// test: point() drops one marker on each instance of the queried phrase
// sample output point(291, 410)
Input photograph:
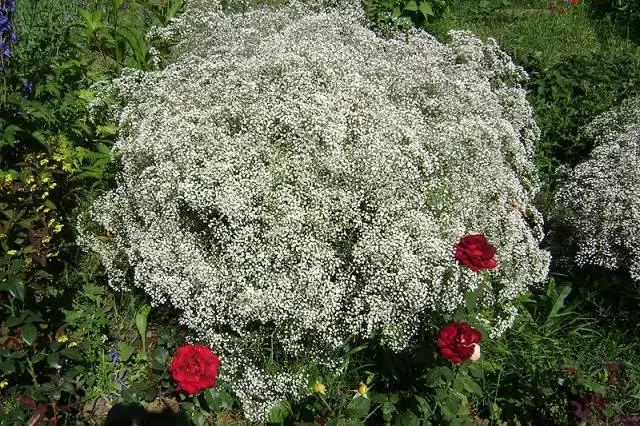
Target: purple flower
point(5, 50)
point(115, 357)
point(27, 87)
point(5, 24)
point(9, 6)
point(14, 37)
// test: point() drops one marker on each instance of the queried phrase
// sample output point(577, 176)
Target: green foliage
point(625, 15)
point(402, 13)
point(568, 95)
point(56, 323)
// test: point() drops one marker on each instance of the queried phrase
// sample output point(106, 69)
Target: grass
point(529, 29)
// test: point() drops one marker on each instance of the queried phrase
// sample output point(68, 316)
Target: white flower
point(292, 180)
point(601, 198)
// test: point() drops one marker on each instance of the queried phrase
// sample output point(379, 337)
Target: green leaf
point(407, 419)
point(198, 418)
point(160, 358)
point(212, 398)
point(470, 299)
point(16, 288)
point(8, 366)
point(387, 409)
point(451, 406)
point(279, 412)
point(358, 408)
point(10, 135)
point(470, 385)
point(125, 351)
point(93, 21)
point(559, 302)
point(107, 130)
point(380, 398)
point(411, 6)
point(173, 8)
point(426, 9)
point(226, 401)
point(28, 334)
point(13, 321)
point(137, 44)
point(53, 359)
point(437, 376)
point(71, 353)
point(38, 357)
point(141, 324)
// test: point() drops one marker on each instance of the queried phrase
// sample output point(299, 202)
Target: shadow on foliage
point(133, 414)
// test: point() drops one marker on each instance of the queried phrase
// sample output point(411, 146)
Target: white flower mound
point(603, 193)
point(293, 180)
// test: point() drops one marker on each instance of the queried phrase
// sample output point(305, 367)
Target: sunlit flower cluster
point(292, 180)
point(602, 195)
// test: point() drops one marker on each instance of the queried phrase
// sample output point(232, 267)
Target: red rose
point(194, 368)
point(574, 2)
point(458, 341)
point(475, 252)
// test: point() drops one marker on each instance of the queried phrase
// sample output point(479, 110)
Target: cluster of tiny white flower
point(292, 180)
point(602, 195)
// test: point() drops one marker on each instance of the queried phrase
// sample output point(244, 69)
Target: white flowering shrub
point(602, 195)
point(292, 180)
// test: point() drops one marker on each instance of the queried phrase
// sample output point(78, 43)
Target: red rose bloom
point(457, 341)
point(475, 252)
point(194, 368)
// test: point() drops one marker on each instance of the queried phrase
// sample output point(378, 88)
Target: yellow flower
point(4, 384)
point(57, 228)
point(63, 338)
point(320, 388)
point(363, 389)
point(12, 252)
point(72, 344)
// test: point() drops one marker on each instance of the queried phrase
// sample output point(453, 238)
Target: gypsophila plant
point(602, 195)
point(292, 180)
